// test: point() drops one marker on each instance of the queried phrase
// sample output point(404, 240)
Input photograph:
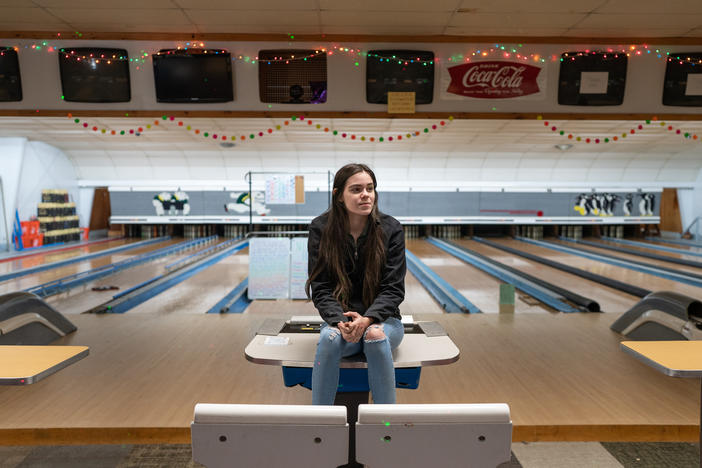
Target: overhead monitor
point(592, 78)
point(292, 76)
point(193, 75)
point(10, 83)
point(94, 74)
point(399, 71)
point(683, 79)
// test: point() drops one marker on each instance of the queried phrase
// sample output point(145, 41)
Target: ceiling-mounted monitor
point(10, 84)
point(399, 71)
point(590, 78)
point(193, 75)
point(683, 79)
point(94, 74)
point(292, 76)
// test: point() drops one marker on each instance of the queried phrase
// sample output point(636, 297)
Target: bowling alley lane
point(610, 300)
point(53, 274)
point(642, 280)
point(37, 257)
point(199, 293)
point(651, 250)
point(478, 287)
point(82, 298)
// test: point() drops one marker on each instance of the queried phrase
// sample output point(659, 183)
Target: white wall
point(84, 205)
point(11, 153)
point(26, 168)
point(43, 167)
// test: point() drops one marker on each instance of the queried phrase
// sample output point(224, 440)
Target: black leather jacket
point(392, 282)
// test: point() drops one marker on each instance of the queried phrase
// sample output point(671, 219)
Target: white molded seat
point(248, 436)
point(446, 435)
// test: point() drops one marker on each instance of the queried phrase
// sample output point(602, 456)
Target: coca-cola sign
point(493, 80)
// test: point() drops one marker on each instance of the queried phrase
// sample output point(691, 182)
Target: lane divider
point(235, 302)
point(530, 289)
point(446, 295)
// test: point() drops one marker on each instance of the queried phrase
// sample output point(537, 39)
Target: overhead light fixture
point(564, 146)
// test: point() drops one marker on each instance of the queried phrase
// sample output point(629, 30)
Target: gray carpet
point(655, 454)
point(524, 455)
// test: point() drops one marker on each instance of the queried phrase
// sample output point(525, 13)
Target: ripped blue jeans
point(381, 372)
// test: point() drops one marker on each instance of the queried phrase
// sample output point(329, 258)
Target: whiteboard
point(277, 268)
point(298, 268)
point(269, 268)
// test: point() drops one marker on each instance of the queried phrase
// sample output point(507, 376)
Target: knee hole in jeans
point(333, 333)
point(374, 333)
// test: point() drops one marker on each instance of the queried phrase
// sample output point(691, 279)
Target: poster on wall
point(243, 203)
point(280, 189)
point(285, 189)
point(493, 79)
point(176, 203)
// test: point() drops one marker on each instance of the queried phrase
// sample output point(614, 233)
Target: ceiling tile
point(542, 6)
point(384, 19)
point(372, 6)
point(289, 18)
point(125, 16)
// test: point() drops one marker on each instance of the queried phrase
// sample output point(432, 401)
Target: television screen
point(592, 79)
point(10, 84)
point(399, 71)
point(193, 75)
point(91, 74)
point(683, 79)
point(292, 76)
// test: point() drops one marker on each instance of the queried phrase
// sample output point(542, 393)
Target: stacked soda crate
point(57, 217)
point(31, 235)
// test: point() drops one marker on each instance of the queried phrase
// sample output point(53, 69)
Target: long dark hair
point(333, 244)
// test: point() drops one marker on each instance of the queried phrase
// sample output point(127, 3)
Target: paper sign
point(593, 82)
point(400, 103)
point(276, 341)
point(693, 87)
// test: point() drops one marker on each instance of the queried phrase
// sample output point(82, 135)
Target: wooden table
point(673, 358)
point(24, 365)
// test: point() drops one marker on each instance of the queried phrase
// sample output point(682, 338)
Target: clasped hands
point(353, 331)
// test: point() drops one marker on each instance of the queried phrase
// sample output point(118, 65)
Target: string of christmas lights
point(136, 131)
point(614, 138)
point(504, 51)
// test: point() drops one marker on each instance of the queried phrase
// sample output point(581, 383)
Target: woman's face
point(359, 194)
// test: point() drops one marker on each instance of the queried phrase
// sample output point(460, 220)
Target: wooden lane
point(480, 288)
point(82, 298)
point(563, 376)
point(53, 274)
point(637, 258)
point(49, 257)
point(649, 250)
point(202, 291)
point(642, 280)
point(610, 300)
point(283, 308)
point(674, 246)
